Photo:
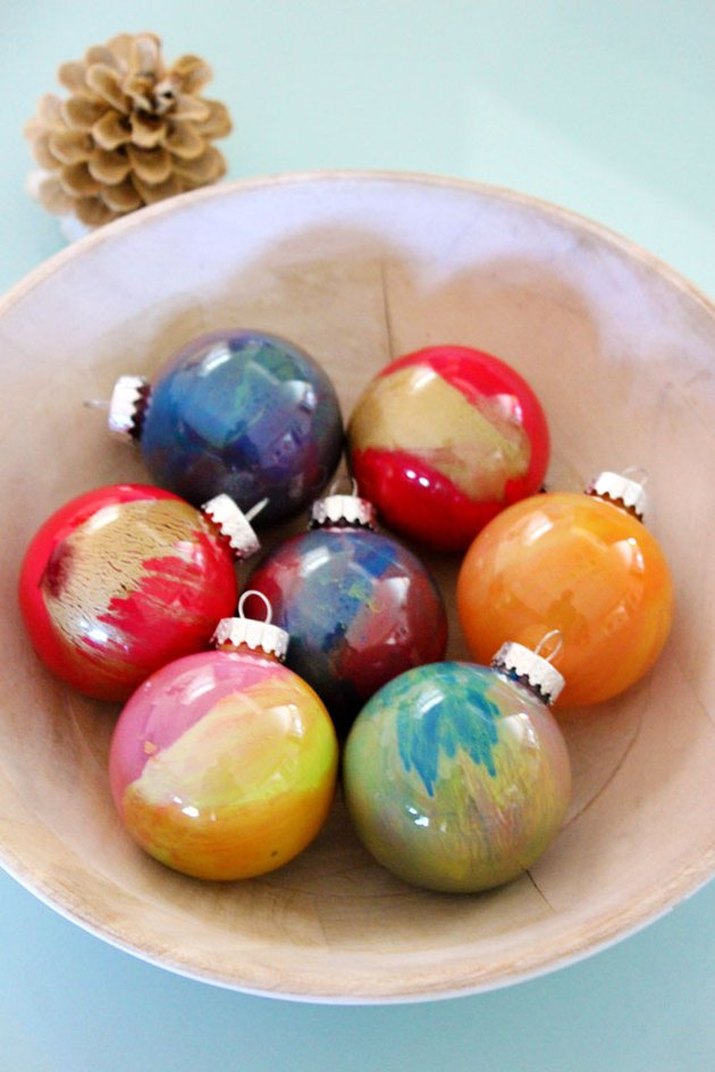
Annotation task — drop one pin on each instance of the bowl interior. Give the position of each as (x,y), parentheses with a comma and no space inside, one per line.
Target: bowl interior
(359,268)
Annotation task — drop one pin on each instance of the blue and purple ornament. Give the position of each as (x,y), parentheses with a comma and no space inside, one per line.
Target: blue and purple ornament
(360,607)
(237,412)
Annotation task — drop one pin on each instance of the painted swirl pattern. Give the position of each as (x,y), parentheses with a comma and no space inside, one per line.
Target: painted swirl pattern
(223,765)
(445,438)
(120,581)
(247,414)
(456,778)
(360,609)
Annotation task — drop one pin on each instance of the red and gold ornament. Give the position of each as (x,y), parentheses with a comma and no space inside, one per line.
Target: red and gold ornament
(443,439)
(125,578)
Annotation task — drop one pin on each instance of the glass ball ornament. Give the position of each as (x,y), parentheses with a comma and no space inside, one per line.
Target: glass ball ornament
(360,607)
(223,764)
(443,439)
(125,578)
(457,776)
(238,412)
(584,564)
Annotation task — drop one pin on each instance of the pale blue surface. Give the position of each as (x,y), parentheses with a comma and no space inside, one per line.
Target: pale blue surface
(607,108)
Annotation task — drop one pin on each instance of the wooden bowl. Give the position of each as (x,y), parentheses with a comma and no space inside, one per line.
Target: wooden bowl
(358,268)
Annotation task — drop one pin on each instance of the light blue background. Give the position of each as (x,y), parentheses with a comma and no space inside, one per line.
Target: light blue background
(607,108)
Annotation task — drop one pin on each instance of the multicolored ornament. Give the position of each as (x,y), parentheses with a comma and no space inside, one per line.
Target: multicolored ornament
(238,412)
(359,606)
(223,764)
(457,776)
(125,578)
(582,564)
(443,439)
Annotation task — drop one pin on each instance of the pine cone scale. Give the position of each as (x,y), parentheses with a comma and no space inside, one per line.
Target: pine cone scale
(148,131)
(41,150)
(82,113)
(71,76)
(109,168)
(122,198)
(94,212)
(184,141)
(69,146)
(158,192)
(190,109)
(203,170)
(106,83)
(151,165)
(111,131)
(193,72)
(76,179)
(218,124)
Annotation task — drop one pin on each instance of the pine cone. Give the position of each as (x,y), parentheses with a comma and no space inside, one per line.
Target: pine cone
(132,132)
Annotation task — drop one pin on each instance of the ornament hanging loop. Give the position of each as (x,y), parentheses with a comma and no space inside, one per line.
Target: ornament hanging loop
(555,639)
(264,600)
(341,481)
(637,473)
(255,510)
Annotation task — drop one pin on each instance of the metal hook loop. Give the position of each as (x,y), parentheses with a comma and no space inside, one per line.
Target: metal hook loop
(557,637)
(264,600)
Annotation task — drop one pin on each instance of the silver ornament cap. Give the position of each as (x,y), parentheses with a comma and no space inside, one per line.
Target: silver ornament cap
(128,406)
(234,524)
(256,634)
(620,489)
(517,660)
(344,510)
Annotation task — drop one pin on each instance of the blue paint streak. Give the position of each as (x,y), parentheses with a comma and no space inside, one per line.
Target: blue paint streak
(441,708)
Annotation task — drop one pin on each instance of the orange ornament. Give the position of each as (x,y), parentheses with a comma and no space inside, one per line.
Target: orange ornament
(582,564)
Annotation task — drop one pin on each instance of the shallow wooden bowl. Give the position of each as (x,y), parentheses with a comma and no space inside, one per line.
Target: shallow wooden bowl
(359,268)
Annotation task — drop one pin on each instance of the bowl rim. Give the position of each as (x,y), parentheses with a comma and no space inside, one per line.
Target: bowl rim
(132,220)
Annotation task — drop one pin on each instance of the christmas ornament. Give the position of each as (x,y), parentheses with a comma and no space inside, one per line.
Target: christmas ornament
(457,776)
(582,564)
(223,764)
(131,132)
(239,412)
(443,439)
(126,578)
(359,606)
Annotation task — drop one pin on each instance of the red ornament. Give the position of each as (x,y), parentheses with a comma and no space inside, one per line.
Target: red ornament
(443,439)
(124,579)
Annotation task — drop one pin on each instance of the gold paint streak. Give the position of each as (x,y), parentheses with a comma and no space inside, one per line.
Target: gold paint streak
(107,557)
(415,410)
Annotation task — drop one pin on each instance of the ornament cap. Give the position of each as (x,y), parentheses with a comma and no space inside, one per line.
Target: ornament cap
(531,668)
(128,406)
(254,633)
(622,489)
(234,524)
(344,511)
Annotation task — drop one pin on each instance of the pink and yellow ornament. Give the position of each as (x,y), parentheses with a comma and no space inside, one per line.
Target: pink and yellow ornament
(223,764)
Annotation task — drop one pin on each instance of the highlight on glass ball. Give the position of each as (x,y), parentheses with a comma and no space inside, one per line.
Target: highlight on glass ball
(443,439)
(584,564)
(125,578)
(240,412)
(457,776)
(223,764)
(359,606)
